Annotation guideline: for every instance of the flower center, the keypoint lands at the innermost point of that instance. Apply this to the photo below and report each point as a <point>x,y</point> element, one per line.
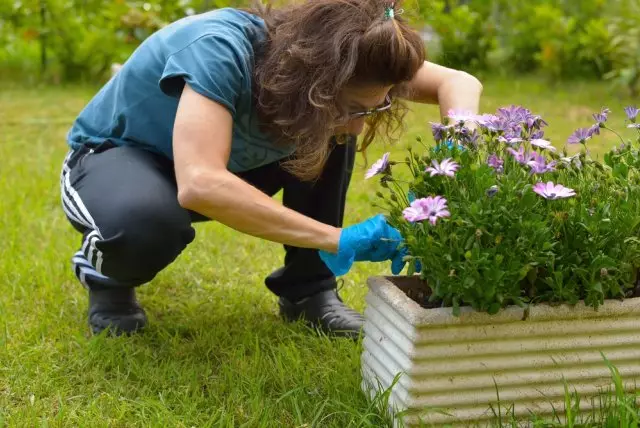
<point>432,213</point>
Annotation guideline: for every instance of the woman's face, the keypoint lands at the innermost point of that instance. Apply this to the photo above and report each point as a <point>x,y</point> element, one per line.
<point>358,100</point>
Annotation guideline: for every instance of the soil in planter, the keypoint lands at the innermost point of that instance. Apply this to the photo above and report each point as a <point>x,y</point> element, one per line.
<point>418,290</point>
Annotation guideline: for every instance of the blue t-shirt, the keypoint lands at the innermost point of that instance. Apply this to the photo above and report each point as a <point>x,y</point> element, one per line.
<point>214,53</point>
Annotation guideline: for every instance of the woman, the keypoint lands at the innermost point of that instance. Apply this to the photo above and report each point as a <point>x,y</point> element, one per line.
<point>214,114</point>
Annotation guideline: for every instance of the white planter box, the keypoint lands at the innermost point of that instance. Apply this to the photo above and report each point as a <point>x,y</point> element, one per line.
<point>454,364</point>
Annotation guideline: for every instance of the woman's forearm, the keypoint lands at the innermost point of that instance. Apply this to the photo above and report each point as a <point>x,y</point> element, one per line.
<point>451,89</point>
<point>460,92</point>
<point>222,196</point>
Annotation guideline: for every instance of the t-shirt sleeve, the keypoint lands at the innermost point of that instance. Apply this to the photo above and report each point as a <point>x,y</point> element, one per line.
<point>212,65</point>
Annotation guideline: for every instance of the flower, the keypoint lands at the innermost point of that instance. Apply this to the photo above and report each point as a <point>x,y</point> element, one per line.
<point>492,123</point>
<point>447,167</point>
<point>543,144</point>
<point>539,165</point>
<point>553,191</point>
<point>580,136</point>
<point>535,122</point>
<point>537,135</point>
<point>491,191</point>
<point>520,156</point>
<point>601,117</point>
<point>514,113</point>
<point>575,160</point>
<point>510,140</point>
<point>495,162</point>
<point>379,167</point>
<point>461,116</point>
<point>594,130</point>
<point>430,208</point>
<point>439,131</point>
<point>469,137</point>
<point>632,112</point>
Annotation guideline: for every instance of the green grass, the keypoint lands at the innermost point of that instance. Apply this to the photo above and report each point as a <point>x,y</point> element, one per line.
<point>215,352</point>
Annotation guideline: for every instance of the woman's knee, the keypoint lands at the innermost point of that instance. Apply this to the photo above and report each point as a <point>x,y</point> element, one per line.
<point>144,237</point>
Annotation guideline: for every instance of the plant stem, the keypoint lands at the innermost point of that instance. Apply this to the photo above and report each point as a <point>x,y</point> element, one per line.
<point>619,136</point>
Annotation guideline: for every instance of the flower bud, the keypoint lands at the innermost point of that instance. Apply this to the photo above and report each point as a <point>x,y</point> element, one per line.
<point>393,197</point>
<point>604,272</point>
<point>380,195</point>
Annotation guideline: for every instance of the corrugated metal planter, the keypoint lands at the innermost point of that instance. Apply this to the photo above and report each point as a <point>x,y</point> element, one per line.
<point>452,368</point>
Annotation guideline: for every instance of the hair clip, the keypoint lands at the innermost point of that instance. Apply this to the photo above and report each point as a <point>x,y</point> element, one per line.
<point>389,12</point>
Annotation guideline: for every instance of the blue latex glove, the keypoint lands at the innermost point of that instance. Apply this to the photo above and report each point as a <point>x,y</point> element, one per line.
<point>449,145</point>
<point>372,240</point>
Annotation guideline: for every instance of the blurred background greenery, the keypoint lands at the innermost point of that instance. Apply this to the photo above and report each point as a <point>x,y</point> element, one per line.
<point>77,40</point>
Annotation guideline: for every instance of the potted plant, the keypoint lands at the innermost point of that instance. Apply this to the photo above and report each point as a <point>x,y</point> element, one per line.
<point>527,264</point>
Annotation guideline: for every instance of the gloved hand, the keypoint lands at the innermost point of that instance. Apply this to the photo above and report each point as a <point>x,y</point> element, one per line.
<point>372,240</point>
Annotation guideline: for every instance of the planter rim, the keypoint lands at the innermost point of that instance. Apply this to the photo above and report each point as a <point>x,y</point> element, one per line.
<point>417,315</point>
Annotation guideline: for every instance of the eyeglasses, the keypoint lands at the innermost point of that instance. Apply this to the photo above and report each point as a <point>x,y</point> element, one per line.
<point>385,106</point>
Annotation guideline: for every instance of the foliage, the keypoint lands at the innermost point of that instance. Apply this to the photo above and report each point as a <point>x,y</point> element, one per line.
<point>466,36</point>
<point>506,231</point>
<point>626,44</point>
<point>80,39</point>
<point>558,38</point>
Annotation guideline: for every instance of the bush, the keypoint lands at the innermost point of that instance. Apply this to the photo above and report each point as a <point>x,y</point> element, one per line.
<point>79,40</point>
<point>496,216</point>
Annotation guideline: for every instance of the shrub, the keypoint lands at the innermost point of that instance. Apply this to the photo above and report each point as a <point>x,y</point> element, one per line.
<point>496,216</point>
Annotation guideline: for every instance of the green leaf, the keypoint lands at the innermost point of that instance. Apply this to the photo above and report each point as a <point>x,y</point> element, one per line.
<point>412,268</point>
<point>523,272</point>
<point>621,171</point>
<point>456,307</point>
<point>494,308</point>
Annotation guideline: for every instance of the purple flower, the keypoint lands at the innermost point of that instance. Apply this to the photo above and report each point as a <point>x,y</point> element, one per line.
<point>601,117</point>
<point>461,116</point>
<point>426,208</point>
<point>543,144</point>
<point>535,122</point>
<point>594,130</point>
<point>510,140</point>
<point>495,162</point>
<point>447,167</point>
<point>469,137</point>
<point>492,191</point>
<point>379,167</point>
<point>539,165</point>
<point>514,113</point>
<point>537,135</point>
<point>580,136</point>
<point>632,112</point>
<point>553,191</point>
<point>521,156</point>
<point>492,123</point>
<point>439,131</point>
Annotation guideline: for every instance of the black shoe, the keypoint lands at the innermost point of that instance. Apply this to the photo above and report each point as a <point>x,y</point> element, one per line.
<point>326,311</point>
<point>116,309</point>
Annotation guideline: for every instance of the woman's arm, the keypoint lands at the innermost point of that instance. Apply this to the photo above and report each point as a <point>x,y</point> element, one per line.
<point>202,145</point>
<point>451,89</point>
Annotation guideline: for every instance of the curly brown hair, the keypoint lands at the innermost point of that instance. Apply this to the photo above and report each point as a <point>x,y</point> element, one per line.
<point>313,51</point>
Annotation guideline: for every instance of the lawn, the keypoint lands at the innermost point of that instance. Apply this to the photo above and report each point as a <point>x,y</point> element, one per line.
<point>215,352</point>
